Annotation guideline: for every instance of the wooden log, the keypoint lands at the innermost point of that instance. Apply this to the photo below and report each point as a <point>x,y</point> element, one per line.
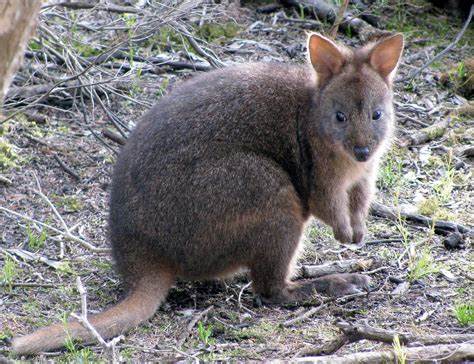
<point>361,332</point>
<point>441,227</point>
<point>427,134</point>
<point>439,353</point>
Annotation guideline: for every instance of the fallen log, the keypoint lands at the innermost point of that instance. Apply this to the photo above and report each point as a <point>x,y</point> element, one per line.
<point>441,227</point>
<point>427,134</point>
<point>442,353</point>
<point>365,332</point>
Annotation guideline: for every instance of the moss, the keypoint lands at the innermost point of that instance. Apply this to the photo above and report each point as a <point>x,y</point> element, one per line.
<point>260,333</point>
<point>8,157</point>
<point>69,203</point>
<point>218,33</point>
<point>428,206</point>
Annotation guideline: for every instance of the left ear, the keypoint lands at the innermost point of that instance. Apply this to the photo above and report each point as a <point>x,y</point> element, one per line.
<point>385,55</point>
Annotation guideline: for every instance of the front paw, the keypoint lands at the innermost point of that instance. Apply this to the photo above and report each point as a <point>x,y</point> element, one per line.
<point>359,231</point>
<point>343,234</point>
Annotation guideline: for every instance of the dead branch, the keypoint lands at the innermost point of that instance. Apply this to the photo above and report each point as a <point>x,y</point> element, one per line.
<point>66,168</point>
<point>358,332</point>
<point>444,353</point>
<point>443,52</point>
<point>78,5</point>
<point>441,227</point>
<point>323,10</point>
<point>66,235</point>
<point>6,181</point>
<point>110,347</point>
<point>114,136</point>
<point>426,134</point>
<point>184,336</point>
<point>304,316</point>
<point>344,266</point>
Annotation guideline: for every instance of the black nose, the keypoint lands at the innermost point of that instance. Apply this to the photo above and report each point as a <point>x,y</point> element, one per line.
<point>361,153</point>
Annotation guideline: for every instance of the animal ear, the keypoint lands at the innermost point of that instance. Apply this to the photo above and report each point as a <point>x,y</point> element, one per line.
<point>325,56</point>
<point>385,55</point>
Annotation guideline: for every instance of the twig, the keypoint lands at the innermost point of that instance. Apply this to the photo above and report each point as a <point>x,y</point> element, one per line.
<point>109,347</point>
<point>28,285</point>
<point>239,298</point>
<point>443,52</point>
<point>66,235</point>
<point>77,5</point>
<point>114,136</point>
<point>343,266</point>
<point>5,180</point>
<point>304,316</point>
<point>384,241</point>
<point>66,168</point>
<point>339,17</point>
<point>191,325</point>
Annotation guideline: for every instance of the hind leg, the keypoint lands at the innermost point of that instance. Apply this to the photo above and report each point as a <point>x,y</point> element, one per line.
<point>273,261</point>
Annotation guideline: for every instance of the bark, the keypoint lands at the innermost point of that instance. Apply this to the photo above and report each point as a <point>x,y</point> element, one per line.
<point>17,23</point>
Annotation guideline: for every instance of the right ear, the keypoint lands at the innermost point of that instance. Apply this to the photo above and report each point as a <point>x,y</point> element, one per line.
<point>325,56</point>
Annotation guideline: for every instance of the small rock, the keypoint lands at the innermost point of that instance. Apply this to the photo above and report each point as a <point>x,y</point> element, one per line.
<point>450,277</point>
<point>401,289</point>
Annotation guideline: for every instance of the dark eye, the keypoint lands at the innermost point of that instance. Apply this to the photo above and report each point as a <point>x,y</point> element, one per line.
<point>341,117</point>
<point>377,115</point>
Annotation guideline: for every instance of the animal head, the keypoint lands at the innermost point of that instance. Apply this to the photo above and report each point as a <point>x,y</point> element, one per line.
<point>354,102</point>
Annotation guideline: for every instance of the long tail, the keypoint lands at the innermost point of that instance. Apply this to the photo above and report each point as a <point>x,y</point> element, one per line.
<point>142,302</point>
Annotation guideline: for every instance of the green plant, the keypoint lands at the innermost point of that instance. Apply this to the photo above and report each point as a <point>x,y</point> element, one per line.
<point>391,173</point>
<point>445,185</point>
<point>421,265</point>
<point>7,155</point>
<point>204,333</point>
<point>301,8</point>
<point>36,241</point>
<point>9,271</point>
<point>399,350</point>
<point>464,313</point>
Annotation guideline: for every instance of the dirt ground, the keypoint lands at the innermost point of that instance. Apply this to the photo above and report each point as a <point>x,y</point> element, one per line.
<point>219,320</point>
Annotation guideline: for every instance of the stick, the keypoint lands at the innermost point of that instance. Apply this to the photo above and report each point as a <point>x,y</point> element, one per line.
<point>66,235</point>
<point>83,5</point>
<point>339,17</point>
<point>114,136</point>
<point>441,227</point>
<point>344,266</point>
<point>426,134</point>
<point>191,325</point>
<point>109,347</point>
<point>304,316</point>
<point>66,168</point>
<point>443,52</point>
<point>448,353</point>
<point>360,332</point>
<point>6,181</point>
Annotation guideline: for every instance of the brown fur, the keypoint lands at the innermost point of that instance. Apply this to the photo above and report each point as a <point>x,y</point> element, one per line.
<point>223,173</point>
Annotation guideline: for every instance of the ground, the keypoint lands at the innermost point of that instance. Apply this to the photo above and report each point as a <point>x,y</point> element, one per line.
<point>432,178</point>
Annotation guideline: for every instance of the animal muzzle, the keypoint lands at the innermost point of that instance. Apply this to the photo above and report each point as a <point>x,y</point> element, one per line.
<point>361,154</point>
